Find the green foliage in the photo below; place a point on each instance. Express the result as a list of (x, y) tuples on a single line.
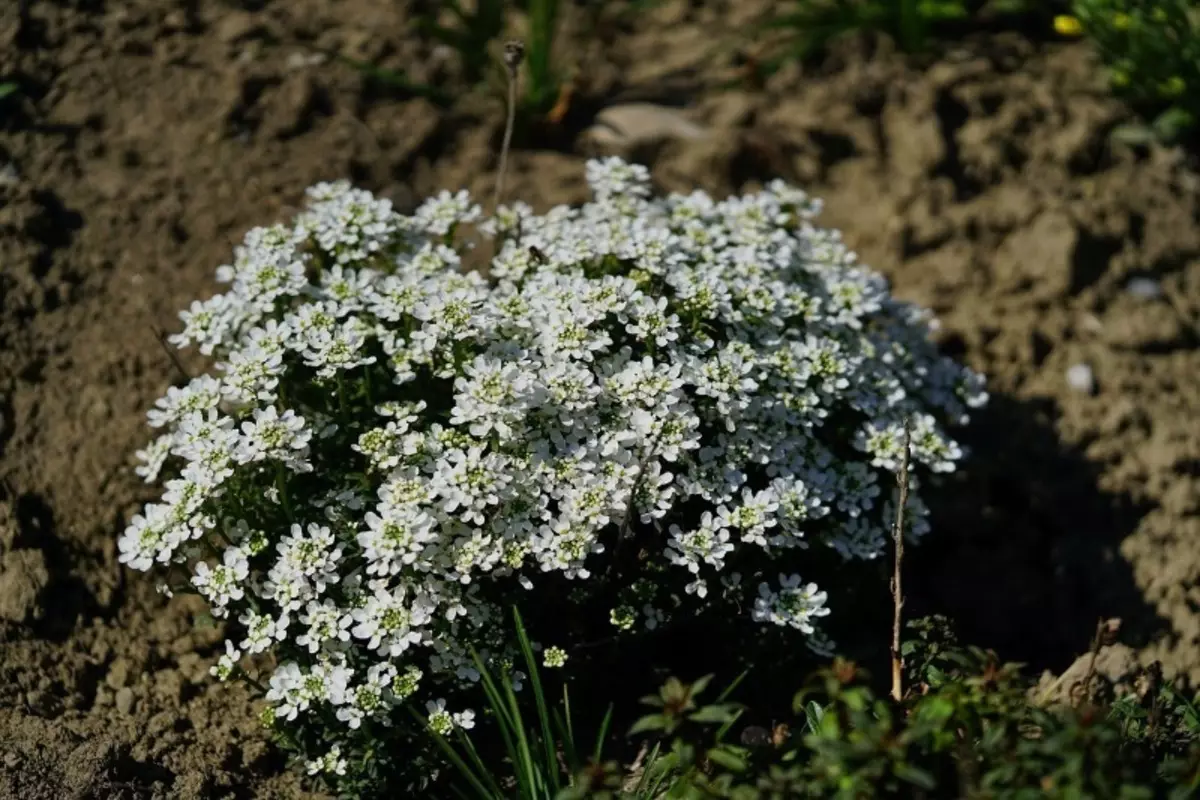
[(1152, 50), (471, 34), (538, 757), (541, 79), (966, 728), (477, 29), (391, 79), (8, 88), (814, 24)]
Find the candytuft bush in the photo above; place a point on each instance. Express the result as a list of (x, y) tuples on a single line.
[(644, 410)]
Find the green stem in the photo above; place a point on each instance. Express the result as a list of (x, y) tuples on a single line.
[(281, 485), (341, 394)]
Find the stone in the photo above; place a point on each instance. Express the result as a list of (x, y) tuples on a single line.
[(124, 700), (23, 576)]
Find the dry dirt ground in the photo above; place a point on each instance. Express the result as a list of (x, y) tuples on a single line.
[(149, 134)]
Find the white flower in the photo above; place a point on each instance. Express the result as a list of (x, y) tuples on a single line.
[(440, 214), (262, 631), (392, 443), (272, 435), (390, 621), (146, 538), (330, 763), (226, 664), (223, 583), (793, 605), (326, 623), (441, 721)]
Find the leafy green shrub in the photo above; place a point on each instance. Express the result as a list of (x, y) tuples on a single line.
[(1152, 51), (966, 728), (813, 24)]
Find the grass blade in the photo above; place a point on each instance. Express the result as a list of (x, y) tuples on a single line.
[(469, 774), (602, 736), (540, 699), (530, 785)]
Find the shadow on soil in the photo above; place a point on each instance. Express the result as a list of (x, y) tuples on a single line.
[(1025, 555)]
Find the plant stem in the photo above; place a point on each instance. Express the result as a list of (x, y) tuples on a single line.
[(162, 342), (514, 52), (281, 485), (897, 593), (341, 394)]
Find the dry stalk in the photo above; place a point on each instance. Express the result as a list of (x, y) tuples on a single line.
[(514, 54), (1106, 634), (162, 342), (897, 593)]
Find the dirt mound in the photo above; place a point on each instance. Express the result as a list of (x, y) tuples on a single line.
[(148, 136)]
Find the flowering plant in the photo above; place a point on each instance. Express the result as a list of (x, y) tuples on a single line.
[(657, 403), (1152, 51)]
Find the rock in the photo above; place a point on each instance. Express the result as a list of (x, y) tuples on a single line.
[(118, 674), (124, 700), (1115, 664), (236, 26), (1144, 288), (23, 575), (1081, 378), (622, 128)]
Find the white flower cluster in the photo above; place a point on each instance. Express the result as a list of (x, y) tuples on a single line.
[(392, 446)]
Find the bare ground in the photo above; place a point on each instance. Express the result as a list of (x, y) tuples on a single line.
[(150, 134)]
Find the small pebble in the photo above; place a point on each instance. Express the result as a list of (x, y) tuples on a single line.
[(124, 700), (1081, 378), (1144, 288), (9, 176), (297, 61)]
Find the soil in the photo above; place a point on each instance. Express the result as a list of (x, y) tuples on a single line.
[(149, 135)]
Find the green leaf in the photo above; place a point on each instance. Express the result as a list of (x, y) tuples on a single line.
[(916, 776), (7, 88), (700, 685), (392, 78), (603, 734), (728, 690), (1134, 133), (652, 722), (477, 780), (1173, 123), (551, 763), (714, 714), (813, 712), (727, 758)]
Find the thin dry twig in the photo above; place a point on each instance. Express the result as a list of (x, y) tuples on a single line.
[(162, 342), (897, 593), (1106, 634), (514, 54)]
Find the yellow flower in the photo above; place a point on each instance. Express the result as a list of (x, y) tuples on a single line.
[(1067, 25), (1121, 21)]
